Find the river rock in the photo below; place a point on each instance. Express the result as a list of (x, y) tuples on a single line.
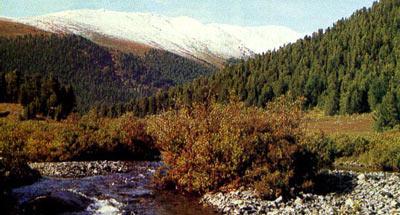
[(361, 177), (13, 174), (85, 169), (278, 200), (349, 203), (298, 201), (348, 193), (56, 203)]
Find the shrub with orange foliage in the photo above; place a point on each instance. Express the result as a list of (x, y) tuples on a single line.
[(87, 138), (213, 146)]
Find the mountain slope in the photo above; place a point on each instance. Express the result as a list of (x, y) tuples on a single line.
[(10, 28), (125, 46), (98, 75), (181, 35), (349, 68)]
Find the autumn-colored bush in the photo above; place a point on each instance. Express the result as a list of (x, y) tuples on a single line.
[(14, 170), (213, 146), (87, 138), (120, 138)]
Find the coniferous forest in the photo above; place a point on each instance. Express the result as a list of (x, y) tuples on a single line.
[(98, 75), (38, 95), (352, 67)]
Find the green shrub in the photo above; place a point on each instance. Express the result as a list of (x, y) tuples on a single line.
[(384, 152), (377, 150), (322, 145), (213, 146), (347, 146)]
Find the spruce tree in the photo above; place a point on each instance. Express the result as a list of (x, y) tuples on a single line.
[(387, 115)]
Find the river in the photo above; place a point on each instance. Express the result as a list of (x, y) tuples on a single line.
[(128, 192)]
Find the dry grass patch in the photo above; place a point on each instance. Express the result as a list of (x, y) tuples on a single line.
[(341, 124), (14, 109), (9, 28), (125, 46)]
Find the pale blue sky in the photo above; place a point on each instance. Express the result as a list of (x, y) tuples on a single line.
[(300, 15)]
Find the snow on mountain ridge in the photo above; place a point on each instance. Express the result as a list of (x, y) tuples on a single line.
[(181, 35)]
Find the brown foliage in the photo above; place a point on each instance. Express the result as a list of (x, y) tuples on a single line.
[(210, 146), (87, 138)]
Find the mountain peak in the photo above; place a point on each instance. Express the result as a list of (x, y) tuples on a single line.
[(181, 35)]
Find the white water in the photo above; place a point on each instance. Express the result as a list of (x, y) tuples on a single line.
[(108, 206)]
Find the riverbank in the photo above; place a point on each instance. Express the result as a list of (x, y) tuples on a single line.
[(343, 192), (76, 169)]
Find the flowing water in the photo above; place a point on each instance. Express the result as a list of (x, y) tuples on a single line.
[(117, 193)]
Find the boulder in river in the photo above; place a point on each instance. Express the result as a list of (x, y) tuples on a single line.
[(56, 203), (13, 173), (16, 174)]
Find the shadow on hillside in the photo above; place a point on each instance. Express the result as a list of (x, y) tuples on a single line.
[(339, 183)]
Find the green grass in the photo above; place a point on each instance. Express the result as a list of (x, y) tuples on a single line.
[(352, 140)]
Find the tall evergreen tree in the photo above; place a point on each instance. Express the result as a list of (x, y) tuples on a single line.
[(388, 113)]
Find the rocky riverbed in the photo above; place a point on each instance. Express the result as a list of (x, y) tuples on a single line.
[(91, 168), (108, 187), (340, 192)]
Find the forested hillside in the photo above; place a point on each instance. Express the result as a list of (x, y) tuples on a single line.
[(38, 95), (345, 69), (99, 76)]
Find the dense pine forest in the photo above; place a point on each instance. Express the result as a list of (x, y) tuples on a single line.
[(351, 67), (38, 95), (99, 76)]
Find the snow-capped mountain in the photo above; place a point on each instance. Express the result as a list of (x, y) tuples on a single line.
[(181, 35)]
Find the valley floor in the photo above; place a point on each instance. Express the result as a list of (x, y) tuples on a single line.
[(124, 186), (121, 187)]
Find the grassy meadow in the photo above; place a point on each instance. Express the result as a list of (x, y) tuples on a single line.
[(353, 143), (357, 124)]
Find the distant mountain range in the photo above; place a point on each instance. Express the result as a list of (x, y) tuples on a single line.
[(102, 71), (123, 57), (187, 37)]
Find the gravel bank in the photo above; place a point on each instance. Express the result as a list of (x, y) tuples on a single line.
[(344, 192), (89, 168)]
